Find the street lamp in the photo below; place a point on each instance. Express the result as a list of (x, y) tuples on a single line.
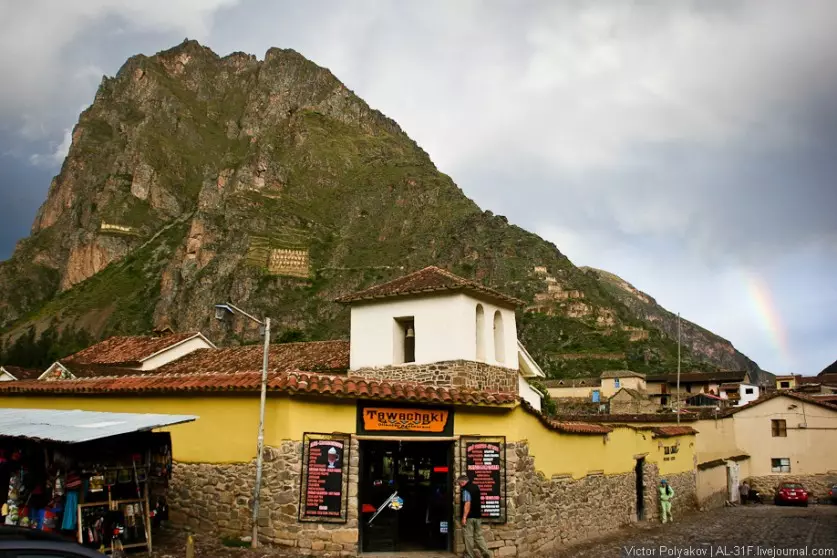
[(222, 311)]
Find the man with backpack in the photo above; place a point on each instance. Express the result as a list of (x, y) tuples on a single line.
[(471, 514)]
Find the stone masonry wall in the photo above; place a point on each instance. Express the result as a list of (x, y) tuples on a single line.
[(455, 373), (542, 513), (216, 499), (547, 513), (817, 485)]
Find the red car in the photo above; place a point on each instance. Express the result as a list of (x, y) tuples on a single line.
[(791, 493)]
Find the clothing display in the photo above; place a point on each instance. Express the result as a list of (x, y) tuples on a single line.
[(96, 494)]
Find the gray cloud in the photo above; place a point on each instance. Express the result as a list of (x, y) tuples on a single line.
[(687, 146)]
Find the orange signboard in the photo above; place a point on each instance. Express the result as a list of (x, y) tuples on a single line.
[(404, 420)]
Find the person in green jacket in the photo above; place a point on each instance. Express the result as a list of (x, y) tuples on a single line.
[(666, 495)]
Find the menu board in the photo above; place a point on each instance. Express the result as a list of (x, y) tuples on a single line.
[(483, 465), (322, 489)]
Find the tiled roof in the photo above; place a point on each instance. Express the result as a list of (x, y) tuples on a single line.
[(429, 280), (21, 373), (317, 356), (621, 374), (566, 426), (292, 383), (690, 377), (573, 382), (640, 418), (125, 351), (782, 393), (671, 431), (634, 394)]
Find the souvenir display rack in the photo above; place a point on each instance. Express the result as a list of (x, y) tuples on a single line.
[(97, 493)]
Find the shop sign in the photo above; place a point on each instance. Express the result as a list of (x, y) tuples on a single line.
[(406, 420), (485, 465), (323, 487)]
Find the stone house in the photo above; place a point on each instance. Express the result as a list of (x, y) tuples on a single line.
[(631, 401), (429, 386)]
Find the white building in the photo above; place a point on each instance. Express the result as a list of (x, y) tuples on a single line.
[(433, 316)]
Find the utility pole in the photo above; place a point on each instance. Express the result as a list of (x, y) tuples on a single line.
[(678, 368), (220, 312)]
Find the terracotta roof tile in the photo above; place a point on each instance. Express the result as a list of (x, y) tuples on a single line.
[(124, 351), (566, 427), (688, 377), (21, 373), (428, 280), (671, 431), (285, 382), (621, 374), (317, 356)]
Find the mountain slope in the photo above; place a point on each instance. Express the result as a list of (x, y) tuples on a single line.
[(195, 179)]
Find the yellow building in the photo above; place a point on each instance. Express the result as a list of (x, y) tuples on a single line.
[(790, 381), (341, 439)]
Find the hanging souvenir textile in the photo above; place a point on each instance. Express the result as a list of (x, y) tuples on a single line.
[(97, 483)]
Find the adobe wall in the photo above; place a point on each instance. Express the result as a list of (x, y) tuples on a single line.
[(453, 374), (542, 513)]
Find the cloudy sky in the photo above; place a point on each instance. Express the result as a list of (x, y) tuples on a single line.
[(690, 147)]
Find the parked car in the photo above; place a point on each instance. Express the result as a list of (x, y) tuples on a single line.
[(16, 542), (791, 493), (833, 494)]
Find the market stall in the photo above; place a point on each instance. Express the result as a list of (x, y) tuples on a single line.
[(100, 478)]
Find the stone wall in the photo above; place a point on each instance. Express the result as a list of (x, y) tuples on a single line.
[(543, 513), (217, 499), (816, 485), (455, 373)]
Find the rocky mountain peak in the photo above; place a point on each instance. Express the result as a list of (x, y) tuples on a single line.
[(195, 178)]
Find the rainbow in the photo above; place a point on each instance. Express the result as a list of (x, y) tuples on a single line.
[(764, 305)]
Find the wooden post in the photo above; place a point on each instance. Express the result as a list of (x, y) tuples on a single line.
[(147, 518)]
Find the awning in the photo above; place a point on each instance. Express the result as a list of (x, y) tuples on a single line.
[(73, 427)]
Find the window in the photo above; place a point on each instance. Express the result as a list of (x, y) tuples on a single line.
[(779, 428), (596, 396), (748, 391), (404, 341), (780, 465), (499, 338), (784, 385), (664, 401), (616, 382), (480, 333)]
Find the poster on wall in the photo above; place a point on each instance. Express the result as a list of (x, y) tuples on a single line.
[(323, 486), (484, 461)]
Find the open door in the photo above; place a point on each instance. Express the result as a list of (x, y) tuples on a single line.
[(640, 489)]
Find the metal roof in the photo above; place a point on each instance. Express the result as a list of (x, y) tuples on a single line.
[(79, 426)]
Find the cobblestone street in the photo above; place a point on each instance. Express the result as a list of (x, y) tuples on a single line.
[(761, 528)]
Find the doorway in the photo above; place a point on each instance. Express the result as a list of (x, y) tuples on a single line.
[(421, 474), (640, 489)]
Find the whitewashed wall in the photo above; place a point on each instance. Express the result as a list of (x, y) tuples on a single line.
[(170, 355), (445, 328)]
